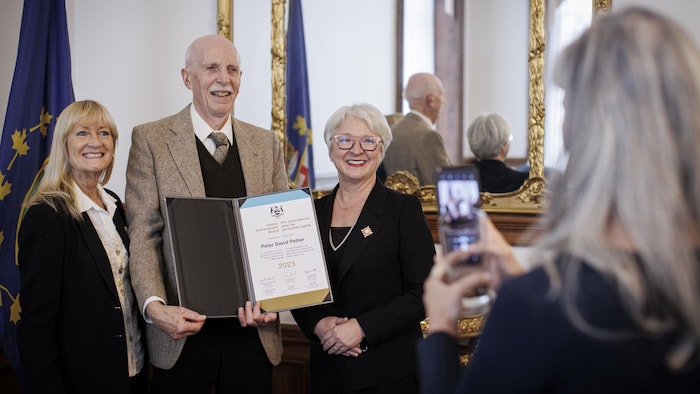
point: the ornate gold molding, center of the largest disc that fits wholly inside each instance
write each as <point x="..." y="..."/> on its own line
<point x="404" y="182"/>
<point x="467" y="327"/>
<point x="468" y="330"/>
<point x="601" y="6"/>
<point x="224" y="13"/>
<point x="536" y="89"/>
<point x="279" y="67"/>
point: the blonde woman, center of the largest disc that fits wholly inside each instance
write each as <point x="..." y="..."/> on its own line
<point x="614" y="307"/>
<point x="79" y="331"/>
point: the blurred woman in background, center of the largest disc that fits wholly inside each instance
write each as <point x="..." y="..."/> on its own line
<point x="614" y="306"/>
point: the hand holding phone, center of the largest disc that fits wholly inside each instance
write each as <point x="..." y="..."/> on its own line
<point x="458" y="225"/>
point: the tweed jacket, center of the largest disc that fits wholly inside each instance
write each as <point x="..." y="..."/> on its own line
<point x="163" y="162"/>
<point x="417" y="148"/>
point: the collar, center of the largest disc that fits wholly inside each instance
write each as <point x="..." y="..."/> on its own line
<point x="84" y="203"/>
<point x="202" y="129"/>
<point x="423" y="117"/>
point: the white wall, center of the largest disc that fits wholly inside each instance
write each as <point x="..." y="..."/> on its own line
<point x="350" y="54"/>
<point x="127" y="54"/>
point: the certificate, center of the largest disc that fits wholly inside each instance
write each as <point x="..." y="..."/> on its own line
<point x="283" y="251"/>
<point x="265" y="248"/>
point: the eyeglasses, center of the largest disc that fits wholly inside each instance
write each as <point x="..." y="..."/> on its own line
<point x="346" y="142"/>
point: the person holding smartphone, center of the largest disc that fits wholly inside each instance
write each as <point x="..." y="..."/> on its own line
<point x="378" y="248"/>
<point x="611" y="305"/>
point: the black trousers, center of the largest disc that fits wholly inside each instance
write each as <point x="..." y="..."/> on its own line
<point x="223" y="356"/>
<point x="139" y="384"/>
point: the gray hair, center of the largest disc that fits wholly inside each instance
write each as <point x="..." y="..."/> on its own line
<point x="487" y="134"/>
<point x="368" y="113"/>
<point x="632" y="132"/>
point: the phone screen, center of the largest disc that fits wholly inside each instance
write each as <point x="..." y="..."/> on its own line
<point x="458" y="192"/>
<point x="458" y="201"/>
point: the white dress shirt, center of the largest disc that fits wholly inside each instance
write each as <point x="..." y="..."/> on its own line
<point x="202" y="130"/>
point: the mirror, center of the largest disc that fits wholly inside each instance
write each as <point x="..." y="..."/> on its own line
<point x="512" y="212"/>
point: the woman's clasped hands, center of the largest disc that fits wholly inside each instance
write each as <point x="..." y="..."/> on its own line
<point x="340" y="336"/>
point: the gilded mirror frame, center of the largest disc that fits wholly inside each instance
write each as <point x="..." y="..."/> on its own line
<point x="516" y="209"/>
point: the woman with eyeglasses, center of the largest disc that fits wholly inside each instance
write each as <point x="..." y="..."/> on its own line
<point x="379" y="250"/>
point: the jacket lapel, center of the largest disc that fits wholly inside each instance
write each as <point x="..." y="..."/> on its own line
<point x="184" y="152"/>
<point x="250" y="157"/>
<point x="120" y="223"/>
<point x="99" y="256"/>
<point x="366" y="229"/>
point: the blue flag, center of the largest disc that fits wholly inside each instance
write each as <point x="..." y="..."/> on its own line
<point x="300" y="158"/>
<point x="41" y="89"/>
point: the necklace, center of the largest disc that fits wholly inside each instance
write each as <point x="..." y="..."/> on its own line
<point x="330" y="238"/>
<point x="350" y="209"/>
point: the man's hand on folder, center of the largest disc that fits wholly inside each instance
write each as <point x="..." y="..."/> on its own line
<point x="253" y="316"/>
<point x="176" y="321"/>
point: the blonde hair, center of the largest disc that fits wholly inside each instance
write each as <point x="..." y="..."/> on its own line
<point x="632" y="132"/>
<point x="56" y="185"/>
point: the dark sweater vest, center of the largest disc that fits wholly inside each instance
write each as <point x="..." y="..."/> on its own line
<point x="223" y="181"/>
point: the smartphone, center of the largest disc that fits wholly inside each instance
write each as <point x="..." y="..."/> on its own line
<point x="458" y="201"/>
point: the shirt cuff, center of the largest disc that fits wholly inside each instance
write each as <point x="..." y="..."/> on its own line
<point x="145" y="304"/>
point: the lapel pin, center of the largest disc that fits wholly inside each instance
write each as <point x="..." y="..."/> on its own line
<point x="366" y="231"/>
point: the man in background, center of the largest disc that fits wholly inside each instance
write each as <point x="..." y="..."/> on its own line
<point x="416" y="146"/>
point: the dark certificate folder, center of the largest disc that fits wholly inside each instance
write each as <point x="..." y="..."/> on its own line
<point x="210" y="275"/>
<point x="213" y="263"/>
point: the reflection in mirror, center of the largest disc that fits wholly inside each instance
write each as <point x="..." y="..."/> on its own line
<point x="526" y="201"/>
<point x="496" y="69"/>
<point x="566" y="20"/>
<point x="489" y="137"/>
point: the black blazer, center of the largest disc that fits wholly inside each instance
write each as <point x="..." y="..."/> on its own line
<point x="497" y="177"/>
<point x="71" y="336"/>
<point x="530" y="345"/>
<point x="378" y="280"/>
